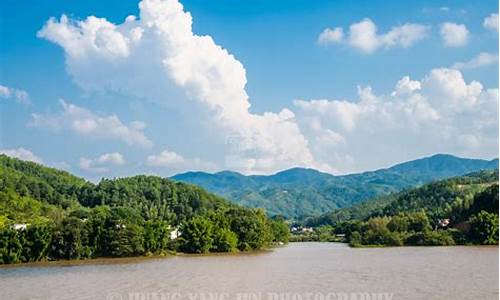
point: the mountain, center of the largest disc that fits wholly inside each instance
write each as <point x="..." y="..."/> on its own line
<point x="444" y="165"/>
<point x="455" y="198"/>
<point x="300" y="192"/>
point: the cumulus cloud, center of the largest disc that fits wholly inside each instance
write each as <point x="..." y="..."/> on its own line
<point x="165" y="159"/>
<point x="454" y="35"/>
<point x="440" y="113"/>
<point x="158" y="57"/>
<point x="329" y="36"/>
<point x="364" y="37"/>
<point x="481" y="60"/>
<point x="22" y="153"/>
<point x="21" y="96"/>
<point x="491" y="22"/>
<point x="85" y="122"/>
<point x="173" y="162"/>
<point x="102" y="163"/>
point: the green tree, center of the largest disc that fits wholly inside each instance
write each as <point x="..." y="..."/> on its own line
<point x="125" y="240"/>
<point x="398" y="223"/>
<point x="197" y="235"/>
<point x="37" y="241"/>
<point x="224" y="240"/>
<point x="484" y="228"/>
<point x="355" y="239"/>
<point x="280" y="230"/>
<point x="156" y="236"/>
<point x="67" y="239"/>
<point x="10" y="246"/>
<point x="251" y="227"/>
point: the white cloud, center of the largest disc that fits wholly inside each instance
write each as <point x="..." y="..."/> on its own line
<point x="85" y="122"/>
<point x="102" y="163"/>
<point x="483" y="59"/>
<point x="22" y="153"/>
<point x="329" y="36"/>
<point x="4" y="91"/>
<point x="406" y="86"/>
<point x="491" y="22"/>
<point x="175" y="162"/>
<point x="439" y="114"/>
<point x="18" y="95"/>
<point x="87" y="165"/>
<point x="165" y="159"/>
<point x="158" y="57"/>
<point x="364" y="37"/>
<point x="454" y="35"/>
<point x="114" y="158"/>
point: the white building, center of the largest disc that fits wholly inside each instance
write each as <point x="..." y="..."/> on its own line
<point x="175" y="233"/>
<point x="20" y="226"/>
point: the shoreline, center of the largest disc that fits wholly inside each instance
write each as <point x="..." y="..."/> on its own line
<point x="88" y="261"/>
<point x="128" y="260"/>
<point x="361" y="246"/>
<point x="138" y="259"/>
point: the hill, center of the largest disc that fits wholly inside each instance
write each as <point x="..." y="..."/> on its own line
<point x="435" y="198"/>
<point x="458" y="210"/>
<point x="299" y="192"/>
<point x="50" y="214"/>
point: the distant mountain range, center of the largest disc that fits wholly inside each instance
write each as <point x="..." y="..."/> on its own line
<point x="300" y="192"/>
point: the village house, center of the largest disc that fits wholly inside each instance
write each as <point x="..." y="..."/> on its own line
<point x="20" y="226"/>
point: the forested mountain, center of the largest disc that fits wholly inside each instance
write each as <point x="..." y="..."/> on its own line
<point x="50" y="214"/>
<point x="300" y="192"/>
<point x="458" y="210"/>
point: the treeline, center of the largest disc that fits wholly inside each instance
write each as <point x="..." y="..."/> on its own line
<point x="46" y="214"/>
<point x="461" y="210"/>
<point x="414" y="229"/>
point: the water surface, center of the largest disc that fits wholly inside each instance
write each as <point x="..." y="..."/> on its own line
<point x="293" y="271"/>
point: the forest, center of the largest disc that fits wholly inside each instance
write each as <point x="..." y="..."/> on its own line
<point x="457" y="211"/>
<point x="48" y="214"/>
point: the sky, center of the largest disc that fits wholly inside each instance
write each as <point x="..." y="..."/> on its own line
<point x="118" y="88"/>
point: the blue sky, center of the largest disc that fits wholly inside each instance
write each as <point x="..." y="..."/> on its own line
<point x="276" y="42"/>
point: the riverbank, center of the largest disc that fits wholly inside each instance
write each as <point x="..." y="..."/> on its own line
<point x="132" y="259"/>
<point x="88" y="261"/>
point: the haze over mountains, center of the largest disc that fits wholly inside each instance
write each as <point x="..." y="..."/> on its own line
<point x="298" y="192"/>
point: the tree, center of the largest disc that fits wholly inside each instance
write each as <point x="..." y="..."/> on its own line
<point x="156" y="236"/>
<point x="224" y="240"/>
<point x="197" y="235"/>
<point x="10" y="246"/>
<point x="280" y="230"/>
<point x="398" y="223"/>
<point x="125" y="240"/>
<point x="484" y="228"/>
<point x="355" y="239"/>
<point x="37" y="239"/>
<point x="67" y="239"/>
<point x="418" y="222"/>
<point x="251" y="227"/>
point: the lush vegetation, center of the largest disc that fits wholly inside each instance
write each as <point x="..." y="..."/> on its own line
<point x="300" y="192"/>
<point x="460" y="210"/>
<point x="47" y="214"/>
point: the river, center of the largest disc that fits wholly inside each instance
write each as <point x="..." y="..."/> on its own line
<point x="299" y="271"/>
